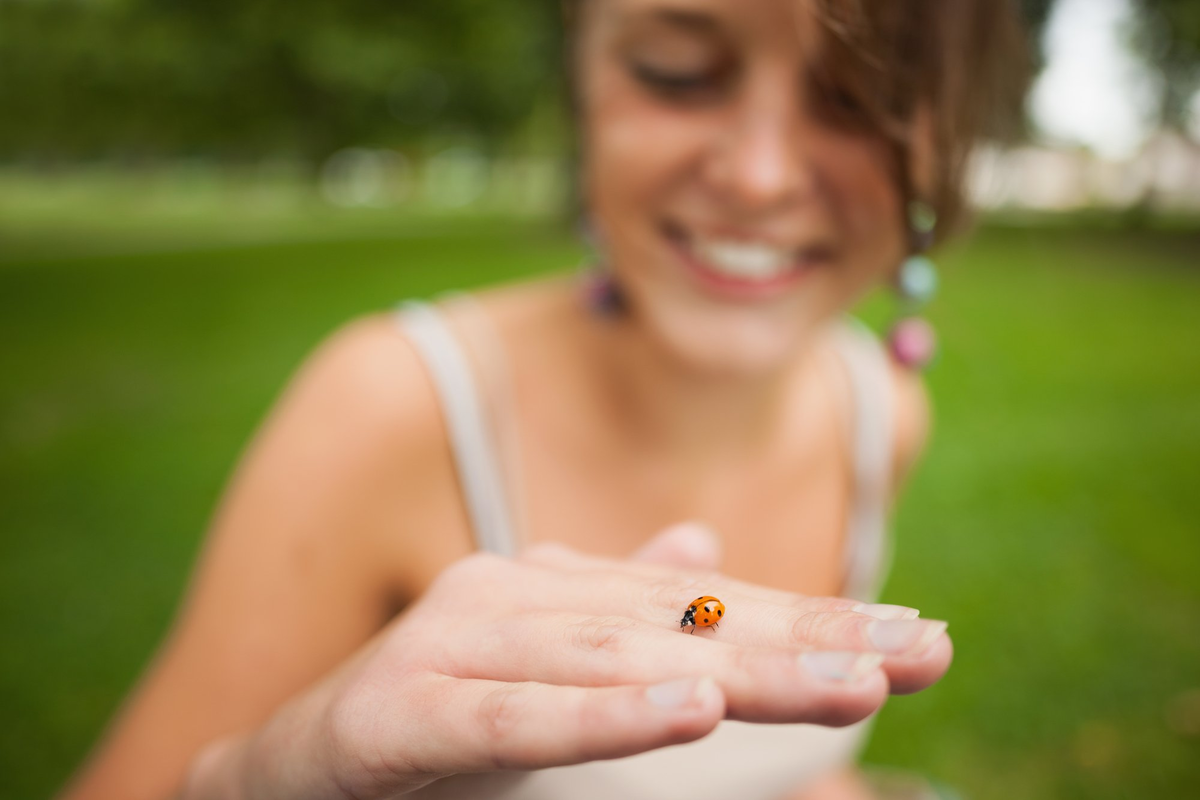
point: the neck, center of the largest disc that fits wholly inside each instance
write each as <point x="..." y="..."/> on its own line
<point x="700" y="418"/>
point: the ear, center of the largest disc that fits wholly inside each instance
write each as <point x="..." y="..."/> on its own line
<point x="688" y="544"/>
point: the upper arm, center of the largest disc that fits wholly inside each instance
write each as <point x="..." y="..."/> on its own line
<point x="912" y="421"/>
<point x="290" y="579"/>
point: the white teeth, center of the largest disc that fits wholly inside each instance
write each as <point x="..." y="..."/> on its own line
<point x="745" y="260"/>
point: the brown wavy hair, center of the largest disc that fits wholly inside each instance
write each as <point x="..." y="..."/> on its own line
<point x="930" y="77"/>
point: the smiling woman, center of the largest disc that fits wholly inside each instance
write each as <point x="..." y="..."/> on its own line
<point x="756" y="144"/>
<point x="748" y="167"/>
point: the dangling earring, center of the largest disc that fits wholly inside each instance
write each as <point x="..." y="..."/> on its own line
<point x="600" y="290"/>
<point x="911" y="339"/>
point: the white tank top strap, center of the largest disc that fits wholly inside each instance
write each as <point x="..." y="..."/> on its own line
<point x="487" y="494"/>
<point x="868" y="551"/>
<point x="471" y="438"/>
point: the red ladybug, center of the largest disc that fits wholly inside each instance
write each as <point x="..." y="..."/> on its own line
<point x="703" y="612"/>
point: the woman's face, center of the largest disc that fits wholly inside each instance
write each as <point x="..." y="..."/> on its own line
<point x="738" y="215"/>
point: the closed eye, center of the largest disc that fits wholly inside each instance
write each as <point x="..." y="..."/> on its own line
<point x="689" y="85"/>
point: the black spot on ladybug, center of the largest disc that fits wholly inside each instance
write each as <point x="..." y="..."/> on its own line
<point x="719" y="612"/>
<point x="706" y="620"/>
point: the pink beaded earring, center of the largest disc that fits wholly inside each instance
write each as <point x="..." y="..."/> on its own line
<point x="911" y="339"/>
<point x="600" y="290"/>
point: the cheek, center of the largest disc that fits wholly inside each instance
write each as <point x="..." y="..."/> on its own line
<point x="635" y="149"/>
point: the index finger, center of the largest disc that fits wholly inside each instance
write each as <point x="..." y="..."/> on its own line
<point x="917" y="651"/>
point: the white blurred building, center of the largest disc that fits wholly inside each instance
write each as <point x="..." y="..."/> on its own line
<point x="1165" y="172"/>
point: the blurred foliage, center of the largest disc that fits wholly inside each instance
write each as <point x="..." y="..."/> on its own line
<point x="1036" y="13"/>
<point x="1168" y="37"/>
<point x="136" y="79"/>
<point x="241" y="79"/>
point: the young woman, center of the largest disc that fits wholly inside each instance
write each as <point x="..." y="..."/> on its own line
<point x="436" y="571"/>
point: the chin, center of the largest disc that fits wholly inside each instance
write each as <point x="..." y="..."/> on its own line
<point x="733" y="344"/>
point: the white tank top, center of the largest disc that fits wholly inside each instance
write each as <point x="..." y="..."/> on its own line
<point x="740" y="760"/>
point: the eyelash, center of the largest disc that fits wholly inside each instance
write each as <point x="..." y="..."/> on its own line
<point x="680" y="85"/>
<point x="837" y="104"/>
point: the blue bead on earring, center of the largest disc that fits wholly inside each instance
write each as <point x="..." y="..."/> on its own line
<point x="911" y="339"/>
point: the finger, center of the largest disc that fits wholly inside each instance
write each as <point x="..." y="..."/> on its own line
<point x="561" y="557"/>
<point x="689" y="544"/>
<point x="909" y="675"/>
<point x="754" y="615"/>
<point x="595" y="586"/>
<point x="917" y="651"/>
<point x="491" y="725"/>
<point x="843" y="630"/>
<point x="761" y="684"/>
<point x="814" y="622"/>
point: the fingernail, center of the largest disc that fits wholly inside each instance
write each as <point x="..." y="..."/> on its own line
<point x="908" y="637"/>
<point x="886" y="611"/>
<point x="835" y="665"/>
<point x="673" y="694"/>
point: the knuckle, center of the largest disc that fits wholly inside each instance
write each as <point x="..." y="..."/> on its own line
<point x="807" y="628"/>
<point x="353" y="726"/>
<point x="610" y="635"/>
<point x="665" y="594"/>
<point x="746" y="667"/>
<point x="500" y="715"/>
<point x="501" y="711"/>
<point x="818" y="627"/>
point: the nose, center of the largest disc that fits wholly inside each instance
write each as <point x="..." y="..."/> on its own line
<point x="759" y="161"/>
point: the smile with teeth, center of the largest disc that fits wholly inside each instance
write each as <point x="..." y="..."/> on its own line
<point x="745" y="261"/>
<point x="744" y="267"/>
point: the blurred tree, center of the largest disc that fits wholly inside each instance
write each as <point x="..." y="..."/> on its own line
<point x="244" y="78"/>
<point x="239" y="79"/>
<point x="1035" y="14"/>
<point x="1168" y="37"/>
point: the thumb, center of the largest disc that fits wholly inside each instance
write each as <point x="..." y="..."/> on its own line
<point x="688" y="544"/>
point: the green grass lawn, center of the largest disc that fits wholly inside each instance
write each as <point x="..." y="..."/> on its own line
<point x="1053" y="522"/>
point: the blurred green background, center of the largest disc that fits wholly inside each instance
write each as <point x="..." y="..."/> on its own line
<point x="193" y="194"/>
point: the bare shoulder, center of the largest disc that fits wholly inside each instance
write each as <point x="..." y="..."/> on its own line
<point x="359" y="420"/>
<point x="913" y="420"/>
<point x="363" y="376"/>
<point x="365" y="413"/>
<point x="299" y="567"/>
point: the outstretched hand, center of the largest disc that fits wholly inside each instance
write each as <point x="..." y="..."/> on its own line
<point x="557" y="658"/>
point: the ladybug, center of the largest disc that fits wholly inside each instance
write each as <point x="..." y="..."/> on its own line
<point x="703" y="612"/>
